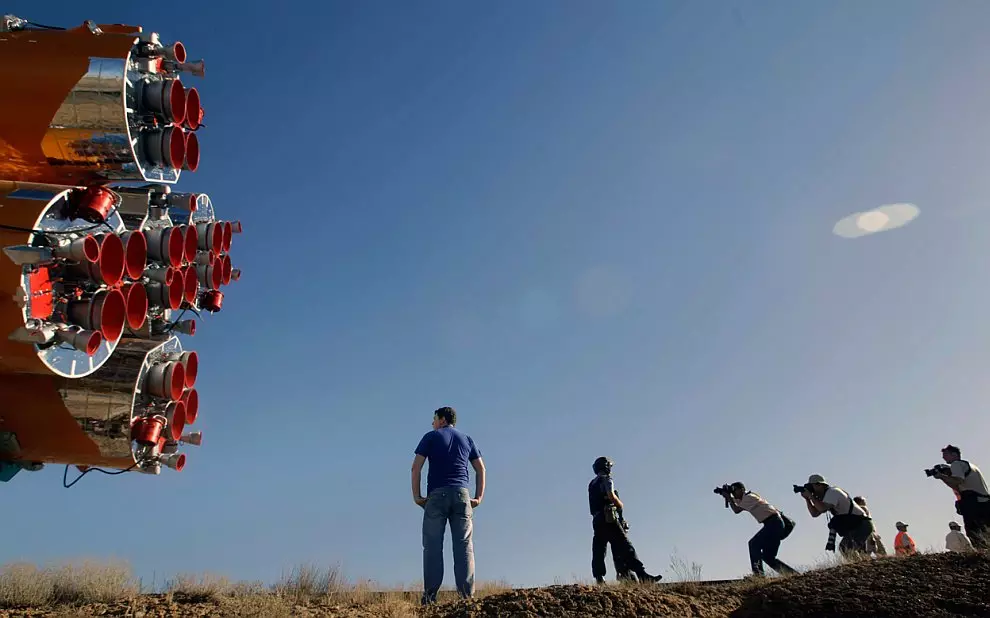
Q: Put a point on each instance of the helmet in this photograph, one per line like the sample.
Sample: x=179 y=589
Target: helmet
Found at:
x=602 y=465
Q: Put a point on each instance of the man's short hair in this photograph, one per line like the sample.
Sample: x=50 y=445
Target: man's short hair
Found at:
x=737 y=485
x=952 y=449
x=447 y=413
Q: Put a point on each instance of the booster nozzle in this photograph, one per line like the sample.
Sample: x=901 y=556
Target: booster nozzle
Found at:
x=194 y=438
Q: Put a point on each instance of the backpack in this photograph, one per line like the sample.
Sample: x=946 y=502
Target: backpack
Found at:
x=788 y=526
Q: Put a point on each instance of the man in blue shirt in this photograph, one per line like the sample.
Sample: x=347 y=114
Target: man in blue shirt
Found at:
x=447 y=499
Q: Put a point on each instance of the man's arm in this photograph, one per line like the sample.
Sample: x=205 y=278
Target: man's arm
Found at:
x=479 y=481
x=417 y=469
x=734 y=507
x=952 y=481
x=815 y=506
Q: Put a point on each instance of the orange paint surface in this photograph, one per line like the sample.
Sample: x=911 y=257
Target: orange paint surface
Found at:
x=15 y=356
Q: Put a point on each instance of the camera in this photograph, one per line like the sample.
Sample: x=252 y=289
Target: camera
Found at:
x=723 y=491
x=802 y=488
x=938 y=469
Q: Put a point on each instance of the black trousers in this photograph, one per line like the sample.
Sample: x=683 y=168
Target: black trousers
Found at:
x=765 y=544
x=976 y=519
x=623 y=553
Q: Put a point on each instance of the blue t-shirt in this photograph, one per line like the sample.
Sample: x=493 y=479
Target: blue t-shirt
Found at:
x=449 y=452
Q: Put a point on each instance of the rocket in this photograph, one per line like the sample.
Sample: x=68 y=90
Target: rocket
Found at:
x=100 y=257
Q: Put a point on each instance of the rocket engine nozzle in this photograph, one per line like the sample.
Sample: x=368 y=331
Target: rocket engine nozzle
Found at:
x=105 y=312
x=136 y=299
x=176 y=461
x=194 y=438
x=166 y=380
x=85 y=249
x=87 y=341
x=190 y=397
x=135 y=253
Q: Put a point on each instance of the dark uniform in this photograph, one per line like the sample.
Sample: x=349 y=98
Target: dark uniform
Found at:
x=610 y=529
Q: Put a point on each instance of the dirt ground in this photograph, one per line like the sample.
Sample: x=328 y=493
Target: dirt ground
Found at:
x=920 y=586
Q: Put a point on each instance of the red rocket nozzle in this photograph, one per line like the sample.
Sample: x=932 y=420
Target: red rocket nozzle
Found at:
x=212 y=301
x=191 y=398
x=135 y=253
x=191 y=242
x=176 y=52
x=194 y=110
x=226 y=269
x=191 y=162
x=228 y=236
x=176 y=291
x=175 y=412
x=92 y=204
x=190 y=362
x=210 y=236
x=136 y=299
x=112 y=263
x=86 y=249
x=176 y=461
x=190 y=285
x=210 y=276
x=87 y=341
x=166 y=380
x=105 y=312
x=165 y=147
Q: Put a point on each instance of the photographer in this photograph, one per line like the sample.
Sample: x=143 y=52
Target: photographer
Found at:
x=848 y=520
x=764 y=545
x=610 y=528
x=973 y=501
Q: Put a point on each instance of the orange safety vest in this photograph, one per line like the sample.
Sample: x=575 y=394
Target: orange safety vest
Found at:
x=904 y=544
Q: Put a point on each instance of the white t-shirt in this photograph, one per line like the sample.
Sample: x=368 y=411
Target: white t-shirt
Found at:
x=973 y=482
x=839 y=502
x=759 y=508
x=957 y=541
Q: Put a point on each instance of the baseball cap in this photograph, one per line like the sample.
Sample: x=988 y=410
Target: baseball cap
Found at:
x=816 y=478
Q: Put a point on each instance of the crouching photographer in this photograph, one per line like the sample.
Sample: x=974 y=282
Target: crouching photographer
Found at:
x=848 y=520
x=765 y=544
x=973 y=501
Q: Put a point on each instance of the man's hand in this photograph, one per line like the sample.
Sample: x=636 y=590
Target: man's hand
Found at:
x=475 y=502
x=420 y=501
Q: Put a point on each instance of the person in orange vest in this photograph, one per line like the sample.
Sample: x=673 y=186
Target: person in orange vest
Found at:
x=903 y=543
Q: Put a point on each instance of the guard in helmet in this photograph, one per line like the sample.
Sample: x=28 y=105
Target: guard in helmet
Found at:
x=610 y=527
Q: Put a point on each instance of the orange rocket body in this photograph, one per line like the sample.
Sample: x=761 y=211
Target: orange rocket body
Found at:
x=95 y=273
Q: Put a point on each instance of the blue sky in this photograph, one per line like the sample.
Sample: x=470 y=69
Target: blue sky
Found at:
x=593 y=228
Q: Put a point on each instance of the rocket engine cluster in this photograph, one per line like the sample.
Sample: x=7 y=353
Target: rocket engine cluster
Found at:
x=102 y=258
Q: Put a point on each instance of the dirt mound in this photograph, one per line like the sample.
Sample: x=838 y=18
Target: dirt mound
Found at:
x=593 y=601
x=927 y=585
x=921 y=586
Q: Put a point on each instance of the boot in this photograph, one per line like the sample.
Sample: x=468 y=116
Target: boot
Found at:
x=600 y=580
x=645 y=577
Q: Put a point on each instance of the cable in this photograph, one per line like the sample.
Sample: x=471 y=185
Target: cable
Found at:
x=65 y=475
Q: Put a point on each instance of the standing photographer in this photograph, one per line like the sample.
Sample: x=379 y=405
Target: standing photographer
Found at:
x=764 y=545
x=973 y=501
x=848 y=520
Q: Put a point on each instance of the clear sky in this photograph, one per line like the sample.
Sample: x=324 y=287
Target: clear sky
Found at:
x=592 y=228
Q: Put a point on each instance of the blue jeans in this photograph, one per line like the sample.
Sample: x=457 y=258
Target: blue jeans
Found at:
x=765 y=544
x=445 y=504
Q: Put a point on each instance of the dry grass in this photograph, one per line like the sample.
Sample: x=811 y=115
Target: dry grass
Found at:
x=25 y=585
